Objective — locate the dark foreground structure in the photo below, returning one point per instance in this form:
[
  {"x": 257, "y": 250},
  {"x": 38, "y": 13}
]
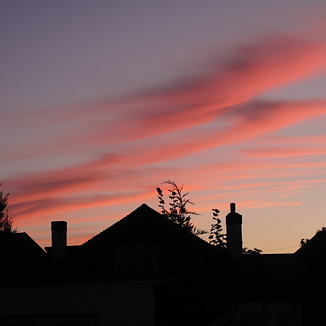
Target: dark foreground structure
[{"x": 146, "y": 270}]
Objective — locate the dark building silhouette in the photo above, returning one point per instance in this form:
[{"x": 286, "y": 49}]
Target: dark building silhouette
[{"x": 147, "y": 270}]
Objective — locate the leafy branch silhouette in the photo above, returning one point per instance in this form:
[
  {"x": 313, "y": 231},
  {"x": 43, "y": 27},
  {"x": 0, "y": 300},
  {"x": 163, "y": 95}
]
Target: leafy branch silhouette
[{"x": 178, "y": 211}]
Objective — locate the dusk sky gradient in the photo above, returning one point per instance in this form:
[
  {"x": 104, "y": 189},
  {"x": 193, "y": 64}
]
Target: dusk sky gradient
[{"x": 101, "y": 101}]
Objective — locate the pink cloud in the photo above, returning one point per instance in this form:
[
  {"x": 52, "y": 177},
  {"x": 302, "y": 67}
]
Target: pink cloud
[
  {"x": 246, "y": 72},
  {"x": 251, "y": 70},
  {"x": 53, "y": 205},
  {"x": 285, "y": 151},
  {"x": 252, "y": 120}
]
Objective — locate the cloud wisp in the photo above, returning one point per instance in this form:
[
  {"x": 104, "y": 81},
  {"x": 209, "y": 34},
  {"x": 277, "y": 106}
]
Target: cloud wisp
[{"x": 247, "y": 72}]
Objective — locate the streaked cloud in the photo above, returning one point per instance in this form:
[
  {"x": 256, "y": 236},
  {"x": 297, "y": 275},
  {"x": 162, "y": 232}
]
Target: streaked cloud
[{"x": 131, "y": 143}]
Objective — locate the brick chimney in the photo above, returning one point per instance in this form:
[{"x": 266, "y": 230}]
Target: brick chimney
[
  {"x": 59, "y": 239},
  {"x": 234, "y": 232}
]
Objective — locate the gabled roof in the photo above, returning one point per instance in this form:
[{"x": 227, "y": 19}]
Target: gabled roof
[
  {"x": 312, "y": 256},
  {"x": 147, "y": 237},
  {"x": 316, "y": 246},
  {"x": 199, "y": 270},
  {"x": 143, "y": 225},
  {"x": 21, "y": 258}
]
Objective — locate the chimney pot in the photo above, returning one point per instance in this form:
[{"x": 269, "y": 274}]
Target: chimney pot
[{"x": 232, "y": 207}]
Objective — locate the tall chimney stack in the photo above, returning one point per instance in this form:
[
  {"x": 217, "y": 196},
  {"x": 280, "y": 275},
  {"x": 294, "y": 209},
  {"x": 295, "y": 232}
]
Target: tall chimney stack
[
  {"x": 234, "y": 232},
  {"x": 59, "y": 239}
]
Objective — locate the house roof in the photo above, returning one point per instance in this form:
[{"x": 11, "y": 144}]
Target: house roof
[
  {"x": 150, "y": 238},
  {"x": 22, "y": 258},
  {"x": 312, "y": 257},
  {"x": 145, "y": 244},
  {"x": 316, "y": 246},
  {"x": 144, "y": 225}
]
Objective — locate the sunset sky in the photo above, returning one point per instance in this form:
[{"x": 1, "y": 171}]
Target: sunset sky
[{"x": 103, "y": 100}]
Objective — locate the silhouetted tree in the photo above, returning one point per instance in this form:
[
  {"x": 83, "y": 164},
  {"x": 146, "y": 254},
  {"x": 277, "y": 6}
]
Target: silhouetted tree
[
  {"x": 303, "y": 241},
  {"x": 178, "y": 211},
  {"x": 254, "y": 251},
  {"x": 219, "y": 239},
  {"x": 5, "y": 220},
  {"x": 216, "y": 237}
]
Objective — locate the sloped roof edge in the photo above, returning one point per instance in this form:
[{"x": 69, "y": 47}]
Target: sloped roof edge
[
  {"x": 143, "y": 213},
  {"x": 144, "y": 208}
]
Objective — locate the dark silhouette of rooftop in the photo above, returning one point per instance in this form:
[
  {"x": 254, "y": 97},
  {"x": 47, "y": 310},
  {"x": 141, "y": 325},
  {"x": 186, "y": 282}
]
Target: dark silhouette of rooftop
[
  {"x": 23, "y": 260},
  {"x": 185, "y": 273}
]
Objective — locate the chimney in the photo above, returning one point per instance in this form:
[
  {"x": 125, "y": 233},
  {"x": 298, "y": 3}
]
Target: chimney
[
  {"x": 59, "y": 239},
  {"x": 234, "y": 232}
]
